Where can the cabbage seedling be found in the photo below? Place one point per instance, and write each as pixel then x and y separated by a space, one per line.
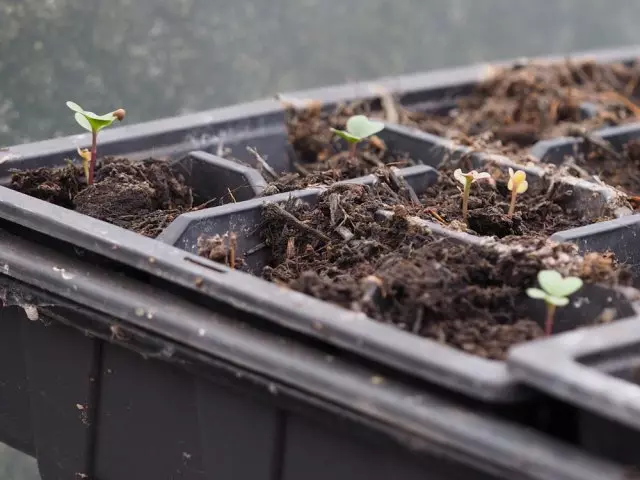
pixel 358 128
pixel 467 179
pixel 517 184
pixel 93 123
pixel 555 290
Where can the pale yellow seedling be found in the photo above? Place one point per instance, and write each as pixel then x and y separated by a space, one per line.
pixel 85 155
pixel 517 185
pixel 468 179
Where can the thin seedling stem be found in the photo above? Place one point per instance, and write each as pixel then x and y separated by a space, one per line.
pixel 92 162
pixel 353 150
pixel 548 324
pixel 465 200
pixel 512 206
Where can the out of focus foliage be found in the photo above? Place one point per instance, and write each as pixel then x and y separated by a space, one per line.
pixel 161 57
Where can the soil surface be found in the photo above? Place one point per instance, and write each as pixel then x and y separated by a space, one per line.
pixel 140 196
pixel 465 296
pixel 323 158
pixel 540 211
pixel 519 106
pixel 618 169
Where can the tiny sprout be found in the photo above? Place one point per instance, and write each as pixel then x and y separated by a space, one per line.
pixel 85 154
pixel 93 123
pixel 555 290
pixel 517 184
pixel 466 179
pixel 358 128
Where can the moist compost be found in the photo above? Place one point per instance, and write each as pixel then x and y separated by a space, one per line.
pixel 467 296
pixel 540 211
pixel 522 105
pixel 140 196
pixel 322 158
pixel 618 169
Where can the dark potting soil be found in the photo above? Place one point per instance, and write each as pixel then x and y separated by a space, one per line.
pixel 618 169
pixel 462 295
pixel 140 196
pixel 520 106
pixel 540 211
pixel 322 158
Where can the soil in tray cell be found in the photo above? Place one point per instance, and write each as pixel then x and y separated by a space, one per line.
pixel 140 196
pixel 618 169
pixel 540 211
pixel 400 274
pixel 322 158
pixel 520 106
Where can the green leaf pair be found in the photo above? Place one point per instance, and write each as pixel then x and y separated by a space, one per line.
pixel 555 288
pixel 358 128
pixel 91 121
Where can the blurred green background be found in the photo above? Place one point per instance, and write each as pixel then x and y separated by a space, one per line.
pixel 157 58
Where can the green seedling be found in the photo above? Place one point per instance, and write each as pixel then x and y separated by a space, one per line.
pixel 358 128
pixel 555 292
pixel 467 179
pixel 517 184
pixel 93 123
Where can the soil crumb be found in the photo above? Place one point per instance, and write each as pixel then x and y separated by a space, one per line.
pixel 140 196
pixel 522 105
pixel 540 211
pixel 463 295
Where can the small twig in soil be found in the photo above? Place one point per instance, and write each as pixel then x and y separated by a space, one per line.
pixel 205 204
pixel 417 325
pixel 389 106
pixel 435 215
pixel 334 205
pixel 263 163
pixel 276 210
pixel 256 249
pixel 402 185
pixel 233 199
pixel 301 170
pixel 233 243
pixel 291 247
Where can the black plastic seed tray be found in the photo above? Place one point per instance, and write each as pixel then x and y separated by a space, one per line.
pixel 108 334
pixel 481 378
pixel 115 388
pixel 618 236
pixel 261 125
pixel 597 370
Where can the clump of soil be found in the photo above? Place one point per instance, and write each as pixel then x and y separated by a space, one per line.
pixel 466 296
pixel 322 158
pixel 140 196
pixel 540 211
pixel 522 105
